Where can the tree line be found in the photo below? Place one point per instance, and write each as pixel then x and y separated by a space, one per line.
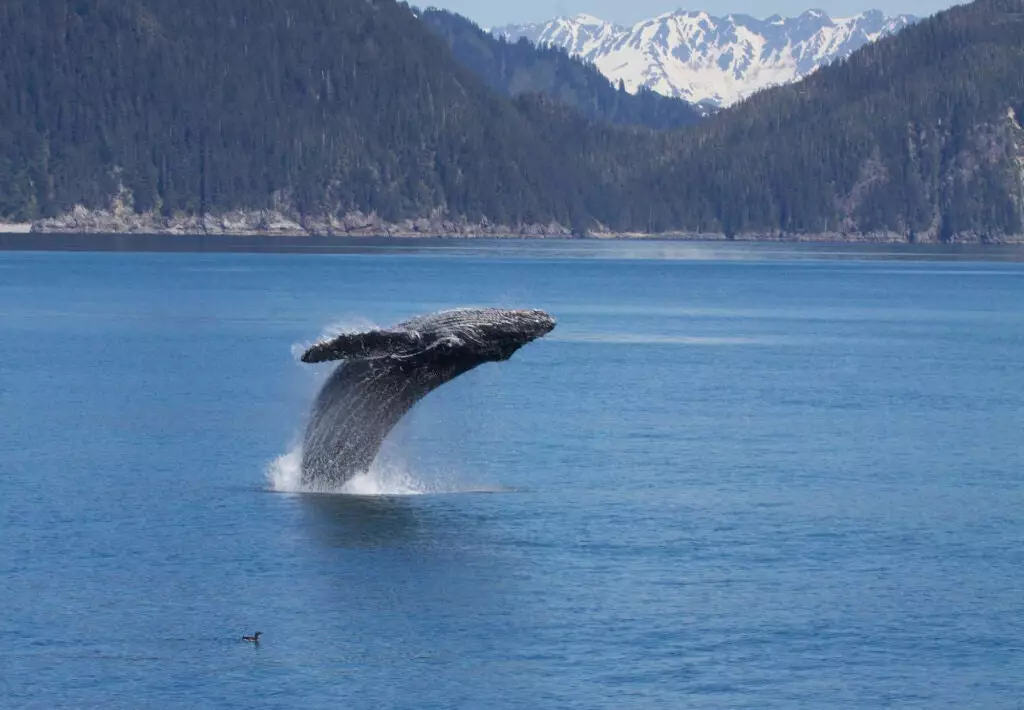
pixel 319 107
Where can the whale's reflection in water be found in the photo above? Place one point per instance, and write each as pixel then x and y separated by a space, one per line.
pixel 413 556
pixel 352 521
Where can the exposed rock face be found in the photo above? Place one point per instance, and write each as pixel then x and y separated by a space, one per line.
pixel 267 222
pixel 273 222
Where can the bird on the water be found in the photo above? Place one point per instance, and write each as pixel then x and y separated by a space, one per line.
pixel 255 638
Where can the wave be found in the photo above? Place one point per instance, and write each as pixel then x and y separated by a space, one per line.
pixel 652 339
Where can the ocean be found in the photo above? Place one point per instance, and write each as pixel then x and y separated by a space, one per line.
pixel 734 476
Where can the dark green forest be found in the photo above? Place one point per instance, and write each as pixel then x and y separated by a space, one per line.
pixel 912 134
pixel 324 107
pixel 522 68
pixel 200 105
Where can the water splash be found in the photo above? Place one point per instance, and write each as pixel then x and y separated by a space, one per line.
pixel 387 477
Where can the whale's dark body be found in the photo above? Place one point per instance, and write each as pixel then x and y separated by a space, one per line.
pixel 385 372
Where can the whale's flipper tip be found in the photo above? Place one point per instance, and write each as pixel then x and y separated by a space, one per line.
pixel 314 354
pixel 362 345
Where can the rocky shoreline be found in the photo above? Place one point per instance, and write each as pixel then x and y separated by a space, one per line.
pixel 276 223
pixel 118 220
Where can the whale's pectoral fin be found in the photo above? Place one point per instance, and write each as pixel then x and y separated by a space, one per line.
pixel 363 345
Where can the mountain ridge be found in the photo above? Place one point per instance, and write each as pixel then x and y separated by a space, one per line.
pixel 521 68
pixel 707 59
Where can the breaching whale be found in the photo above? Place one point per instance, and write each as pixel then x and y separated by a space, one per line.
pixel 386 371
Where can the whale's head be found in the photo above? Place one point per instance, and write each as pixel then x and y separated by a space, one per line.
pixel 512 329
pixel 479 334
pixel 487 333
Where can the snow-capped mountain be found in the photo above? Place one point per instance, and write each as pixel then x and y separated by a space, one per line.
pixel 701 58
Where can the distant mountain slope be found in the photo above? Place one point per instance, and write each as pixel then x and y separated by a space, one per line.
pixel 701 58
pixel 516 68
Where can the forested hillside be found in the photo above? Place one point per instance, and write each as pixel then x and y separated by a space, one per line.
pixel 321 108
pixel 307 105
pixel 916 134
pixel 518 68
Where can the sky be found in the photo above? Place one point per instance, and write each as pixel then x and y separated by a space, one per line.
pixel 488 13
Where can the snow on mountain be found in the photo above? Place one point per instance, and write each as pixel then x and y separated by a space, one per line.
pixel 701 58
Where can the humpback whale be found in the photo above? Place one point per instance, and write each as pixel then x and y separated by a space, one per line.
pixel 384 372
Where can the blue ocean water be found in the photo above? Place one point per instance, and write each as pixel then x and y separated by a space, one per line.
pixel 733 477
